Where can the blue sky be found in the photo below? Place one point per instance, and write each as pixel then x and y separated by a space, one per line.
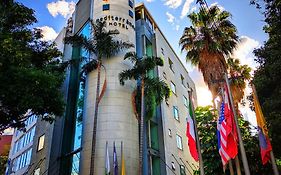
pixel 170 16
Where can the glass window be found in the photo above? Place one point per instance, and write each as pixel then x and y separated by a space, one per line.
pixel 176 112
pixel 182 80
pixel 182 170
pixel 162 51
pixel 164 75
pixel 185 101
pixel 131 4
pixel 170 132
pixel 173 166
pixel 41 142
pixel 28 156
pixel 179 142
pixel 131 14
pixel 37 171
pixel 173 87
pixel 105 7
pixel 171 64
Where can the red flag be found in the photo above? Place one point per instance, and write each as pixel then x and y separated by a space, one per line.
pixel 231 132
pixel 190 133
pixel 226 131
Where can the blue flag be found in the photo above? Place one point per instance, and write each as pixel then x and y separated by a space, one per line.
pixel 115 162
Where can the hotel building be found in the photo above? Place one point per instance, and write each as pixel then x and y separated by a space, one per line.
pixel 67 143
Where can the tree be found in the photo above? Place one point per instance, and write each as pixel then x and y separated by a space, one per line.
pixel 149 94
pixel 268 75
pixel 207 128
pixel 103 45
pixel 239 75
pixel 210 37
pixel 30 76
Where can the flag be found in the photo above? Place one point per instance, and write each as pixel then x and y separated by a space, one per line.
pixel 107 162
pixel 115 162
pixel 190 134
pixel 226 132
pixel 191 138
pixel 264 141
pixel 232 138
pixel 123 166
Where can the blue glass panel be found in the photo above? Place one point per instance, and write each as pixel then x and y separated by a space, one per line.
pixel 105 7
pixel 131 4
pixel 86 31
pixel 131 14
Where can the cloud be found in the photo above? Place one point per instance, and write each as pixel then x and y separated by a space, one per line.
pixel 244 51
pixel 149 1
pixel 49 34
pixel 177 27
pixel 170 17
pixel 173 3
pixel 186 8
pixel 61 7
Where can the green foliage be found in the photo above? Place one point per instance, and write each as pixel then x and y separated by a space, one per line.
pixel 267 77
pixel 30 77
pixel 210 29
pixel 207 127
pixel 3 163
pixel 210 38
pixel 155 89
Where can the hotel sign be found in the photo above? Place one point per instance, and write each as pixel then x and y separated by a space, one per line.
pixel 116 21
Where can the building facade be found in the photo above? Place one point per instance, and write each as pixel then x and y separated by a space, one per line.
pixel 67 143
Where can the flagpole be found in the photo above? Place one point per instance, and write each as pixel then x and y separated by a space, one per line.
pixel 241 144
pixel 274 167
pixel 237 164
pixel 201 164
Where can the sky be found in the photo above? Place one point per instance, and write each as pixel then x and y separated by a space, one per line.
pixel 171 17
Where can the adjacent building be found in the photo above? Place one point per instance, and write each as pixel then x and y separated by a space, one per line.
pixel 64 147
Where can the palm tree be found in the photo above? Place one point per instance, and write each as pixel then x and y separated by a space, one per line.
pixel 150 94
pixel 239 75
pixel 210 38
pixel 102 44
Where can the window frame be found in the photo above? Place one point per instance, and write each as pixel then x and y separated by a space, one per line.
pixel 179 138
pixel 185 101
pixel 176 113
pixel 175 87
pixel 171 64
pixel 38 143
pixel 105 7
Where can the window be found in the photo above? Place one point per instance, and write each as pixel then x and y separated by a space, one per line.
pixel 171 65
pixel 182 80
pixel 37 171
pixel 173 87
pixel 179 142
pixel 170 132
pixel 185 101
pixel 131 14
pixel 162 51
pixel 164 75
pixel 176 112
pixel 173 166
pixel 41 142
pixel 131 4
pixel 182 170
pixel 105 7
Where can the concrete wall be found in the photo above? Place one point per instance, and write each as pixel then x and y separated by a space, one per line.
pixel 176 127
pixel 116 121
